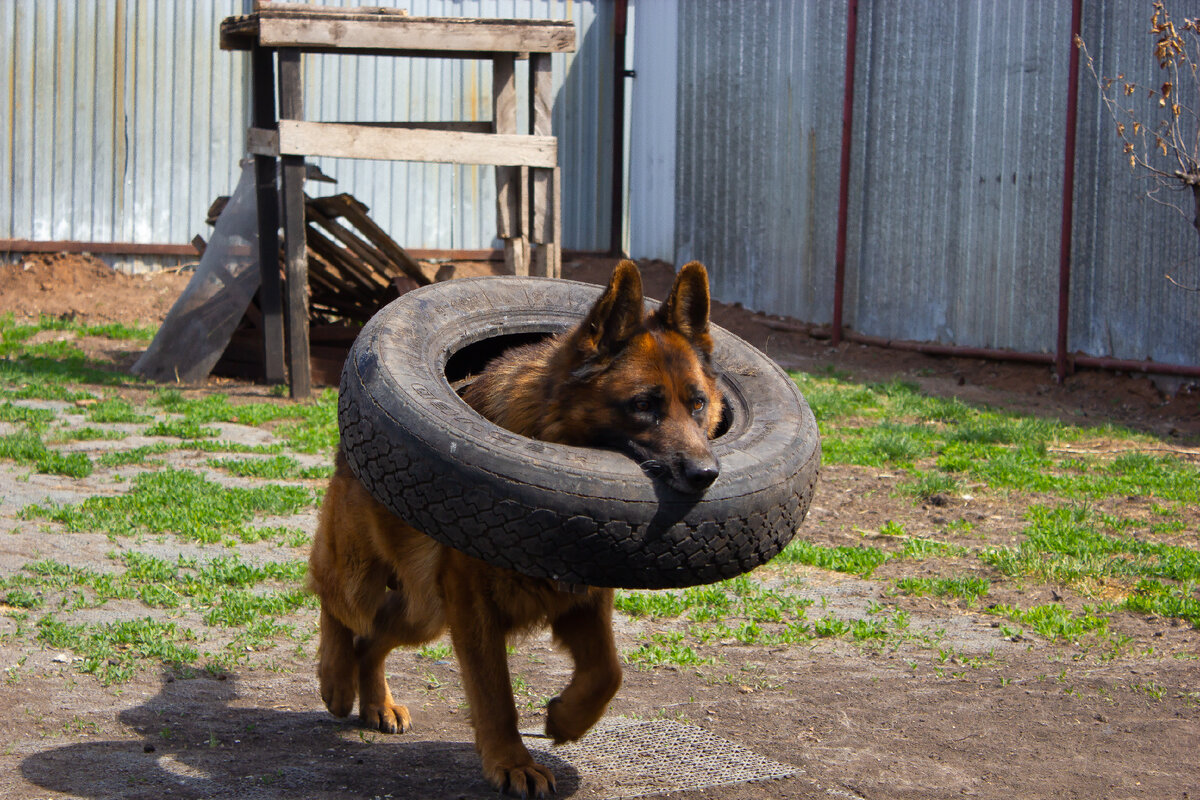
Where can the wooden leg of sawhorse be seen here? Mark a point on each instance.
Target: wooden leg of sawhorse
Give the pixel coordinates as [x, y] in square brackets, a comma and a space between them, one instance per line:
[262, 84]
[291, 106]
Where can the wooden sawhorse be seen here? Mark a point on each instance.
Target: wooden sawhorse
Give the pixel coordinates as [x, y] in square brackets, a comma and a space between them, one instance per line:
[528, 182]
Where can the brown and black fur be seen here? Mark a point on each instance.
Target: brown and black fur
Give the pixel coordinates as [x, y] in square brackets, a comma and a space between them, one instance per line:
[641, 384]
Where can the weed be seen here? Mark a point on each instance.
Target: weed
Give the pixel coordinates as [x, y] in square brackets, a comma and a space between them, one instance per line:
[115, 410]
[829, 626]
[280, 467]
[110, 651]
[969, 589]
[1062, 545]
[1054, 621]
[435, 652]
[26, 447]
[176, 501]
[1152, 597]
[860, 560]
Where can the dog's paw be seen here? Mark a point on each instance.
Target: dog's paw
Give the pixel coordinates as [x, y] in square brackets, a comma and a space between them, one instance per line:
[526, 780]
[387, 718]
[564, 723]
[339, 697]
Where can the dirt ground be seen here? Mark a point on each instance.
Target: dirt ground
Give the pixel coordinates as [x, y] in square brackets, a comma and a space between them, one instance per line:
[981, 716]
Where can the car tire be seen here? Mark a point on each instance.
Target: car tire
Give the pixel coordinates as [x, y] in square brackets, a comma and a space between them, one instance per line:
[575, 515]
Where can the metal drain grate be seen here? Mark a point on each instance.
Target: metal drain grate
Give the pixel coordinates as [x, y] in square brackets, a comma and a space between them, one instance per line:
[635, 758]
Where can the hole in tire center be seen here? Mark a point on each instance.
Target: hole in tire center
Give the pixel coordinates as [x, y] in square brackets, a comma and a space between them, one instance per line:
[466, 364]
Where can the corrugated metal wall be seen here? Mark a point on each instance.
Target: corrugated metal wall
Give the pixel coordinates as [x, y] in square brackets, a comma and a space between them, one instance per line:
[123, 120]
[758, 138]
[1121, 305]
[452, 206]
[958, 172]
[956, 178]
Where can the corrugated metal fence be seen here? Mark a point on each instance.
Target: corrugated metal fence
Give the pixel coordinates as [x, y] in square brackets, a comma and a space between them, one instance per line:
[122, 120]
[956, 178]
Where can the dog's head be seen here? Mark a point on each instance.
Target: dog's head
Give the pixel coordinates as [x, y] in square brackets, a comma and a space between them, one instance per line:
[644, 384]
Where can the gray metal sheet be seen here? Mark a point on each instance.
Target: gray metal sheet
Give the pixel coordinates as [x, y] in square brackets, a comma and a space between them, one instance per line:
[123, 120]
[758, 142]
[1124, 243]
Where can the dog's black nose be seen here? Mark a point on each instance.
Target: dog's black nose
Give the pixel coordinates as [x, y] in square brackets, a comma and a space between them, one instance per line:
[699, 476]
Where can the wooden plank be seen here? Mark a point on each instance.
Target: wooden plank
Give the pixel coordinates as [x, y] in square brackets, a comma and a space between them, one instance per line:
[540, 106]
[504, 119]
[368, 282]
[310, 8]
[376, 261]
[462, 125]
[291, 107]
[338, 140]
[262, 141]
[330, 274]
[356, 214]
[416, 33]
[556, 225]
[270, 291]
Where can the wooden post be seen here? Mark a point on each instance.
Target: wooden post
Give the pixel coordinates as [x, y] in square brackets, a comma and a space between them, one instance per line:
[291, 106]
[543, 211]
[510, 194]
[262, 87]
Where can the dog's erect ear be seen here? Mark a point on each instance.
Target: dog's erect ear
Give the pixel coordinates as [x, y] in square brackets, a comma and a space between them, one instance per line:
[616, 316]
[686, 308]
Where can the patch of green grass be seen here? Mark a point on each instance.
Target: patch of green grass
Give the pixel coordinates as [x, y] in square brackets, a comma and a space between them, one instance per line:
[1153, 597]
[47, 371]
[111, 651]
[740, 597]
[312, 426]
[925, 485]
[37, 419]
[115, 410]
[87, 434]
[280, 467]
[1055, 621]
[439, 651]
[22, 598]
[136, 455]
[120, 331]
[176, 501]
[969, 589]
[182, 429]
[930, 548]
[830, 626]
[27, 448]
[665, 649]
[886, 444]
[1063, 545]
[830, 398]
[860, 560]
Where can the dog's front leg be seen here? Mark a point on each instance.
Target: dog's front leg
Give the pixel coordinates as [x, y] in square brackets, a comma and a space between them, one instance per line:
[479, 637]
[586, 631]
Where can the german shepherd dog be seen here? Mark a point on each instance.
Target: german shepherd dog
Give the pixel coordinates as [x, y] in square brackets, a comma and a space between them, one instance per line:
[643, 384]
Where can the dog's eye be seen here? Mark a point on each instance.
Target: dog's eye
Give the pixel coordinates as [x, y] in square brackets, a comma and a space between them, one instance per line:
[642, 405]
[698, 404]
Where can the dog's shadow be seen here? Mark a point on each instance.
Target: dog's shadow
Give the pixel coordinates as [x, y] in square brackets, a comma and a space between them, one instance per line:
[194, 742]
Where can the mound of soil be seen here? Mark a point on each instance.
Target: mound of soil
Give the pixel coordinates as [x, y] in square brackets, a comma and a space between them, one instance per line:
[83, 288]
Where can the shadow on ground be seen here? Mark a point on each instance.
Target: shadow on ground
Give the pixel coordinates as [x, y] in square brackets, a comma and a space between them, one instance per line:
[195, 741]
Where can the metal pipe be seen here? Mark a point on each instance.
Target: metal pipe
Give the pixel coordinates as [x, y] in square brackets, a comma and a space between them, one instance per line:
[617, 206]
[963, 351]
[103, 248]
[1068, 201]
[839, 264]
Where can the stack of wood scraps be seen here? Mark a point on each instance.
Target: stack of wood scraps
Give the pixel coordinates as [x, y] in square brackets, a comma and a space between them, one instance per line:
[354, 269]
